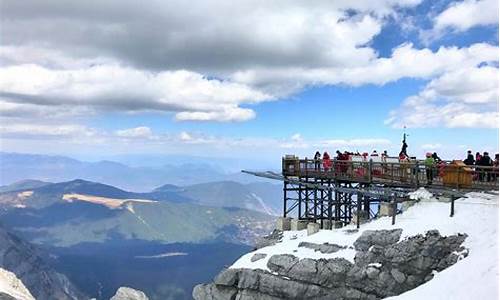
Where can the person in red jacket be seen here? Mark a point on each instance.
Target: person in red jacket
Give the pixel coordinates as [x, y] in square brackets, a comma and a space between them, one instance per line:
[327, 162]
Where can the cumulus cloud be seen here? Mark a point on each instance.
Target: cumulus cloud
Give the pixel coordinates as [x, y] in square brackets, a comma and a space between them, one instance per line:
[204, 36]
[114, 87]
[405, 61]
[467, 97]
[463, 15]
[198, 63]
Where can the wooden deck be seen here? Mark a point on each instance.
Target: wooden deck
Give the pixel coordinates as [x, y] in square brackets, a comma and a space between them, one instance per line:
[395, 174]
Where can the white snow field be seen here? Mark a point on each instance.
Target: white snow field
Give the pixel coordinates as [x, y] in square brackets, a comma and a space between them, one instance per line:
[474, 277]
[11, 285]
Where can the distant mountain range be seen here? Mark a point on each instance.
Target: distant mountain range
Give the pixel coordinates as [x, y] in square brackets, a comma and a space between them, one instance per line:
[17, 167]
[163, 242]
[68, 213]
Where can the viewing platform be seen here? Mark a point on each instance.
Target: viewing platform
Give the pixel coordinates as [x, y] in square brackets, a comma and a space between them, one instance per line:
[390, 171]
[334, 193]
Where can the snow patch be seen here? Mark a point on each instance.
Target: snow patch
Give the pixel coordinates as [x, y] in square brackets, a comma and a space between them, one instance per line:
[475, 276]
[11, 285]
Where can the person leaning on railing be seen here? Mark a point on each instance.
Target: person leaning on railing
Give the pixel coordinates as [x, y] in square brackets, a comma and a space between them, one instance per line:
[429, 163]
[485, 161]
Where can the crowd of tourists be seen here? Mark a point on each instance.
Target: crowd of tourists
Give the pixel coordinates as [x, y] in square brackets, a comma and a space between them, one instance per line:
[434, 165]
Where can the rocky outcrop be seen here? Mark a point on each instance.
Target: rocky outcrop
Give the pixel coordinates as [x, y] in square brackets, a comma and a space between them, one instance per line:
[126, 293]
[383, 266]
[11, 288]
[323, 248]
[26, 262]
[274, 237]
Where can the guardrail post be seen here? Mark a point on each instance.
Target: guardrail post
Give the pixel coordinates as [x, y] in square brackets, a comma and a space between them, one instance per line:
[394, 208]
[370, 168]
[359, 197]
[452, 209]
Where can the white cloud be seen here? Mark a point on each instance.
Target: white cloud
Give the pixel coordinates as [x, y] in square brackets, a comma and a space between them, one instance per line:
[39, 131]
[137, 132]
[406, 61]
[92, 62]
[463, 15]
[467, 97]
[114, 87]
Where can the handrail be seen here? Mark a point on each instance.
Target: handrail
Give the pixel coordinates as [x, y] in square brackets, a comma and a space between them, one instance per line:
[413, 173]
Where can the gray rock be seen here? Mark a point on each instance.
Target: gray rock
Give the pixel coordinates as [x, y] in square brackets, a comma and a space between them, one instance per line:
[402, 265]
[372, 272]
[323, 248]
[228, 277]
[377, 237]
[281, 263]
[126, 293]
[213, 292]
[274, 237]
[257, 256]
[398, 275]
[4, 296]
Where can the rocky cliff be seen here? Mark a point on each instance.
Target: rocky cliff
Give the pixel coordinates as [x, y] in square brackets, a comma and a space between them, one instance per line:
[383, 266]
[27, 263]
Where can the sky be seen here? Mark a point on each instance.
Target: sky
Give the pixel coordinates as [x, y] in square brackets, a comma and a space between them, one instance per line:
[253, 79]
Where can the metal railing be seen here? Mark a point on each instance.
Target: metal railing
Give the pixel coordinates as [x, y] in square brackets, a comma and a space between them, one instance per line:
[407, 173]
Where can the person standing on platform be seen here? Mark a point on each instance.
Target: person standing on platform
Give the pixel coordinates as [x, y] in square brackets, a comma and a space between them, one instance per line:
[327, 162]
[317, 161]
[485, 161]
[429, 163]
[470, 159]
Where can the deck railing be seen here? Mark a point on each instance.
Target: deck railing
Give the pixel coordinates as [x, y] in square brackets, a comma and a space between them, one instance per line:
[407, 173]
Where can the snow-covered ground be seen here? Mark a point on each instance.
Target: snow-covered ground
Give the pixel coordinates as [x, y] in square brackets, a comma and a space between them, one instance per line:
[11, 285]
[475, 277]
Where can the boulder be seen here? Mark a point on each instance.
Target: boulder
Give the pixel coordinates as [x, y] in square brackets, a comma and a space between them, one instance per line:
[323, 248]
[377, 237]
[126, 293]
[257, 256]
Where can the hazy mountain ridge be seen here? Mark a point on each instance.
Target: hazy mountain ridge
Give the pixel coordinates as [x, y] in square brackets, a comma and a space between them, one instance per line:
[77, 211]
[17, 167]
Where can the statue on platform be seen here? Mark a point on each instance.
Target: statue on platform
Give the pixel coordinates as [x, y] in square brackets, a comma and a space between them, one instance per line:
[403, 154]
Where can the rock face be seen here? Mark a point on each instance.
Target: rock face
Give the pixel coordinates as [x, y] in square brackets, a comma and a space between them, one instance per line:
[323, 248]
[383, 267]
[126, 293]
[26, 262]
[274, 237]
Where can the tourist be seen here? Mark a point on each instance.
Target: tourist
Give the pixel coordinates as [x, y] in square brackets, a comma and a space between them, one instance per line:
[436, 157]
[327, 162]
[429, 163]
[485, 161]
[478, 157]
[317, 161]
[339, 155]
[374, 153]
[470, 159]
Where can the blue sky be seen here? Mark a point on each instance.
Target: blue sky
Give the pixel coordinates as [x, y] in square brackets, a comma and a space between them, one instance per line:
[266, 81]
